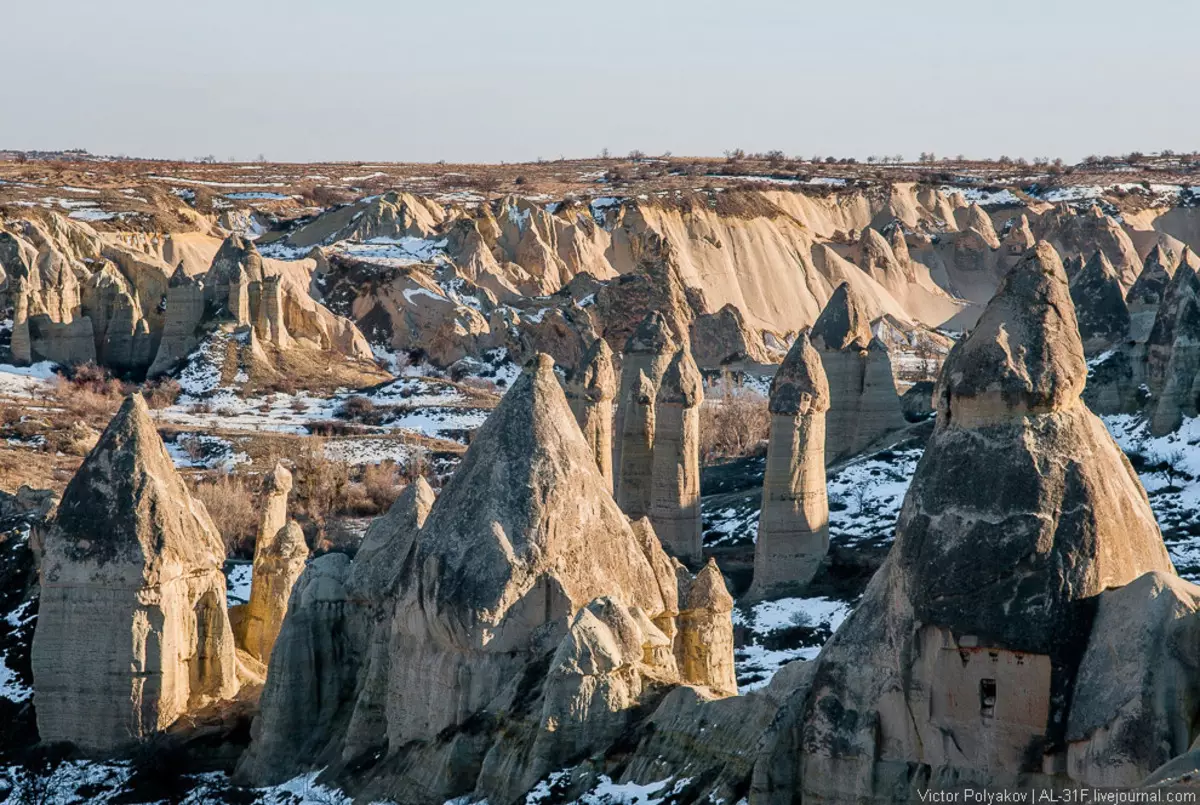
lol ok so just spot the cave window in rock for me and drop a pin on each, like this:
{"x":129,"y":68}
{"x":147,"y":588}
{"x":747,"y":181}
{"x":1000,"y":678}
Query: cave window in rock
{"x":987,"y":698}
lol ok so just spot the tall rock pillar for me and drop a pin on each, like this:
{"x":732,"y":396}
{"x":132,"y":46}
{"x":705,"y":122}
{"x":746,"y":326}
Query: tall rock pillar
{"x":675,"y":488}
{"x":647,"y":352}
{"x":793,"y":528}
{"x":590,"y":391}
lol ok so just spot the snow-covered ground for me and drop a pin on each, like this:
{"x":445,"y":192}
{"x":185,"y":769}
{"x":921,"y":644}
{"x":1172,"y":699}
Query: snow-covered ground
{"x":778,"y":632}
{"x":199,"y":450}
{"x":238,"y":575}
{"x":1169,"y":468}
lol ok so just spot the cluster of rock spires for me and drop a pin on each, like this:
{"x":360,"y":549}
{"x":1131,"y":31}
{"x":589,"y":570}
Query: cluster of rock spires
{"x":79,"y":297}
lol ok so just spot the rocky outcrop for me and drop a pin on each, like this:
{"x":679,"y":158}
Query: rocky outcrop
{"x":948,"y":672}
{"x":590,"y":390}
{"x":1100,"y":305}
{"x":132,"y":628}
{"x":675,"y":482}
{"x":280,"y":552}
{"x":722,"y":338}
{"x":1173,"y":352}
{"x":704,"y":647}
{"x":1137,"y":685}
{"x":1151,"y":284}
{"x":647,"y":354}
{"x":524,"y":624}
{"x":185,"y":311}
{"x":864,"y":404}
{"x":793,"y":526}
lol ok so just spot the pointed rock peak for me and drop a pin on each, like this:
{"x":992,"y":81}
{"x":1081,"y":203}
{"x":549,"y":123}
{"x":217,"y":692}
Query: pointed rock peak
{"x":682,"y":384}
{"x":1024,"y":355}
{"x":652,"y":336}
{"x":898,"y":243}
{"x":595,"y":378}
{"x":279,"y":480}
{"x":708,"y":590}
{"x":845,"y":323}
{"x":287,"y":542}
{"x":389,"y":538}
{"x":128,"y":503}
{"x":1157,"y":257}
{"x":643,"y":389}
{"x":800,"y":385}
{"x":1098,"y":269}
{"x":874,"y":242}
{"x":180,"y":277}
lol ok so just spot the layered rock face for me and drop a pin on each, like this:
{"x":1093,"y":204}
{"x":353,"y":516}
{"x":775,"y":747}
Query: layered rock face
{"x":948,"y":671}
{"x":280,"y":552}
{"x":793,"y":526}
{"x":591,"y":390}
{"x":522,"y":624}
{"x":863,"y":400}
{"x":648,"y":353}
{"x":675,"y":485}
{"x":132,"y":629}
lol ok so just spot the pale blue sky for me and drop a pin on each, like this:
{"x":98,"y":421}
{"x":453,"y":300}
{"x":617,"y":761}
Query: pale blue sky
{"x":488,"y":81}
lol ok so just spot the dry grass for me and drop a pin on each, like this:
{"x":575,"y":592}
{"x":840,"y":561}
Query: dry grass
{"x":734,"y":423}
{"x":232,"y":503}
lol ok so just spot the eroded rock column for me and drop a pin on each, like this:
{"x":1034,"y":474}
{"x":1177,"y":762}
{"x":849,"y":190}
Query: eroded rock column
{"x":635,"y":483}
{"x":590,"y":391}
{"x":793,"y":528}
{"x":675,"y":501}
{"x":648,"y":351}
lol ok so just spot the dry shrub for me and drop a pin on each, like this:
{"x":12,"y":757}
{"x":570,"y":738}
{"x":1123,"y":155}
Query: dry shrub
{"x":322,"y":486}
{"x":233,"y":505}
{"x":382,"y":484}
{"x":734,"y":423}
{"x":162,"y":392}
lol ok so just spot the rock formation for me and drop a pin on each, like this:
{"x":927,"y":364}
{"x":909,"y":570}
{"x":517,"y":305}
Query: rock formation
{"x":280,"y":552}
{"x":522,"y":624}
{"x":648,"y":352}
{"x":724,"y":337}
{"x":1100,"y":305}
{"x":132,"y":629}
{"x":675,"y":482}
{"x":1173,"y":352}
{"x":1157,"y":271}
{"x":864,"y":404}
{"x":704,"y":647}
{"x":185,"y":311}
{"x":591,"y":390}
{"x":793,"y":526}
{"x":949,"y":672}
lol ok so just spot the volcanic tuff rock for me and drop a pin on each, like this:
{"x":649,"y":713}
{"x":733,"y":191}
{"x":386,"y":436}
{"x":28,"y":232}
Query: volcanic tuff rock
{"x":1100,"y":305}
{"x":1137,"y":682}
{"x":1173,"y":352}
{"x":793,"y":526}
{"x":863,"y":400}
{"x":521,"y":625}
{"x":987,"y":679}
{"x":724,"y":337}
{"x":280,"y":552}
{"x":185,"y":311}
{"x":1157,"y":271}
{"x":675,"y":483}
{"x":590,"y":390}
{"x":132,"y":627}
{"x":648,"y":352}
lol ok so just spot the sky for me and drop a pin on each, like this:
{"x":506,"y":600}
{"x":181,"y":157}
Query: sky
{"x":388,"y":80}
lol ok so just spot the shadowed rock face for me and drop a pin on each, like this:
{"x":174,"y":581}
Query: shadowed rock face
{"x":675,"y":486}
{"x":964,"y":650}
{"x":1100,"y":306}
{"x":132,"y":628}
{"x":1173,"y":352}
{"x":863,"y":400}
{"x":793,"y":527}
{"x":844,"y":323}
{"x":591,"y":390}
{"x":648,"y":352}
{"x":1157,"y":272}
